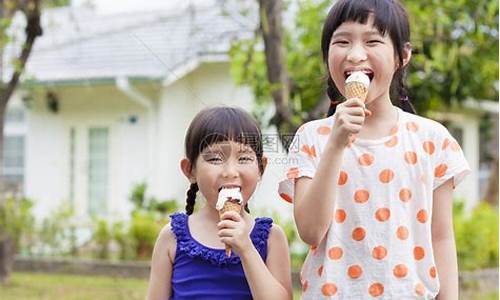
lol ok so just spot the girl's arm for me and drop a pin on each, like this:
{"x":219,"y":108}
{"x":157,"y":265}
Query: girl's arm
{"x":443,"y":241}
{"x":270,"y":280}
{"x":314,"y":198}
{"x":160,"y":286}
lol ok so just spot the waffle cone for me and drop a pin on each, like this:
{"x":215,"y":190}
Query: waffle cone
{"x":356,"y":89}
{"x":230,"y":205}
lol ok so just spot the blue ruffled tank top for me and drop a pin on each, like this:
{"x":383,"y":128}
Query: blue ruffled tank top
{"x":201,"y":272}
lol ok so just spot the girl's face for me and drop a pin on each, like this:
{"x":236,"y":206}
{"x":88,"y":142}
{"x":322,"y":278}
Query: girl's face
{"x":361,"y":47}
{"x":226,"y":164}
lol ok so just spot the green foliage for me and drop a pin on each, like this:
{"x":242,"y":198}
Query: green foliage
{"x":138,"y":198}
{"x":476,"y":237}
{"x":102,"y":236}
{"x":57,"y":232}
{"x":138,"y":195}
{"x":16,"y":219}
{"x":144,"y":230}
{"x":456,"y":55}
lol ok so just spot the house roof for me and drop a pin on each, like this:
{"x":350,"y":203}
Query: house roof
{"x":80,"y":45}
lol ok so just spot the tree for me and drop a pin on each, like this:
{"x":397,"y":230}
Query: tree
{"x":31,"y":11}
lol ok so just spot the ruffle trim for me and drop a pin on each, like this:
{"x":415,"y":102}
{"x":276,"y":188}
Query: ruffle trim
{"x":192,"y":248}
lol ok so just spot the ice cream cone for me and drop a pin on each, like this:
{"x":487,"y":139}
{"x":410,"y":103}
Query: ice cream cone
{"x":356,"y":86}
{"x":356,"y":89}
{"x":230,"y":205}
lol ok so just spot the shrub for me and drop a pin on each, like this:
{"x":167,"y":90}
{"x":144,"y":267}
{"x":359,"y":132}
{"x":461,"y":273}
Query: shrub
{"x":476,"y":236}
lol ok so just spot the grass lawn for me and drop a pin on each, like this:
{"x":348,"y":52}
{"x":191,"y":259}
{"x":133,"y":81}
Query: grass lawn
{"x":30,"y":286}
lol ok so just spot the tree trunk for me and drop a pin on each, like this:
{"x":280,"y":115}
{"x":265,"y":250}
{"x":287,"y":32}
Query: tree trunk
{"x":31,"y":9}
{"x":492,"y":191}
{"x":277,"y":74}
{"x":7,"y":251}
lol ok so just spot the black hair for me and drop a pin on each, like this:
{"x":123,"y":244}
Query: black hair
{"x":389,"y":17}
{"x":215,"y":125}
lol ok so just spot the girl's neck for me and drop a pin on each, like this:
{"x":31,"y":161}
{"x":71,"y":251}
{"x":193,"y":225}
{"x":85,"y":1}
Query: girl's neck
{"x":384,"y":116}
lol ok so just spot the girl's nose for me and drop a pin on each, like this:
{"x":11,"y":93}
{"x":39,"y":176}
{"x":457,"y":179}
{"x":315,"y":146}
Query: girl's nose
{"x":230,"y":170}
{"x":356,"y":54}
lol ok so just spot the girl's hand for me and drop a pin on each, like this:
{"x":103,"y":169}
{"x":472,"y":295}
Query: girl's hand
{"x":235,"y":232}
{"x":349,"y":118}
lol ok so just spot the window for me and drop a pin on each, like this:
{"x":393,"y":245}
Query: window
{"x":98,"y":170}
{"x":13,"y":161}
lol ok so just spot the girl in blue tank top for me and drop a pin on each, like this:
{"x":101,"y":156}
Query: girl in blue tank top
{"x":224,"y":150}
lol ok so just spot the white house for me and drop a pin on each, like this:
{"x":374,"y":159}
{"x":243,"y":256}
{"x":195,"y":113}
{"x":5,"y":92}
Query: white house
{"x":106,"y":101}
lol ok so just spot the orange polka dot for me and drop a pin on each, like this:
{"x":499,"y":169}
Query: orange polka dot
{"x":286,"y":197}
{"x":432,"y":272}
{"x":383,"y":214}
{"x":366,"y":159}
{"x":400,"y":271}
{"x":394,"y":130}
{"x":323,"y":130}
{"x":292,"y":173}
{"x":358,"y":234}
{"x":418,"y":253}
{"x":386,"y":176}
{"x":335,"y":253}
{"x":305,"y":286}
{"x":422,"y":216}
{"x":314,"y":250}
{"x":455,"y":146}
{"x":342,"y":178}
{"x":379,"y":252}
{"x":361,"y":196}
{"x":405,"y":195}
{"x":402,"y":232}
{"x":310,"y":151}
{"x":440,"y":170}
{"x":376,"y":289}
{"x":354,"y":271}
{"x":411,"y":157}
{"x":329,"y":289}
{"x":429,"y":147}
{"x":392,"y":142}
{"x":412,"y":126}
{"x":340,"y":216}
{"x":446,"y":143}
{"x":420,"y":289}
{"x":320,"y":270}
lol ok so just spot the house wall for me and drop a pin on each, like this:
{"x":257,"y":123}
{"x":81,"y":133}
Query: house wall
{"x":48,"y":147}
{"x":468,"y":124}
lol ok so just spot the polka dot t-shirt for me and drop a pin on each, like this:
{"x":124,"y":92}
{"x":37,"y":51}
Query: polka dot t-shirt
{"x":379,"y":244}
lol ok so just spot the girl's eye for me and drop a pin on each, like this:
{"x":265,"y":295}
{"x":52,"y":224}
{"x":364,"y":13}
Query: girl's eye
{"x":214,"y":159}
{"x":246,"y":159}
{"x":374,"y":42}
{"x":341,"y":42}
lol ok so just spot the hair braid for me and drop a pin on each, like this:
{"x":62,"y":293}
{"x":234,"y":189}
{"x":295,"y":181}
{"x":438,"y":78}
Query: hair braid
{"x":191,"y":198}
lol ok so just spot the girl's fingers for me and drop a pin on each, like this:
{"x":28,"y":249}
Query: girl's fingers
{"x":226,"y":224}
{"x":353,"y":102}
{"x":225,"y":233}
{"x":356,"y":120}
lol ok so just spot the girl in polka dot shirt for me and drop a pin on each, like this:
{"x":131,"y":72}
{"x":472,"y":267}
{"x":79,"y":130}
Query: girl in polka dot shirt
{"x":372,"y":184}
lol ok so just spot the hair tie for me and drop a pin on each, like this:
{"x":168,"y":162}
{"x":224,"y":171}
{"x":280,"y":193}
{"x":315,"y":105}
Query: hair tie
{"x":404,"y":99}
{"x":335,"y":102}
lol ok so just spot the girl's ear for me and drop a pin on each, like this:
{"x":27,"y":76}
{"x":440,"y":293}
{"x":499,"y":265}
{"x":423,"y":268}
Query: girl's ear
{"x":264,"y":164}
{"x":188,"y":171}
{"x":406,"y":54}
